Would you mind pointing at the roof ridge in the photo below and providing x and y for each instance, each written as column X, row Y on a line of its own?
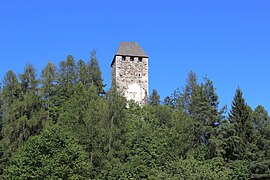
column 130, row 49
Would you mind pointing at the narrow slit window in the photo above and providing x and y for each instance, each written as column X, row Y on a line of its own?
column 139, row 59
column 123, row 58
column 131, row 59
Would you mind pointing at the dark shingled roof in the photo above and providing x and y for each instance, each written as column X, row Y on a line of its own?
column 130, row 49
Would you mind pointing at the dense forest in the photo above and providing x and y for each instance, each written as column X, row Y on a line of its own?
column 61, row 124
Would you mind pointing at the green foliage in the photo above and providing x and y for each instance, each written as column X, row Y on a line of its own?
column 239, row 117
column 11, row 88
column 51, row 155
column 48, row 80
column 62, row 126
column 95, row 73
column 154, row 99
column 28, row 79
column 195, row 169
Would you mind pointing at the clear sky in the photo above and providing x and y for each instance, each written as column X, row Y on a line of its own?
column 229, row 41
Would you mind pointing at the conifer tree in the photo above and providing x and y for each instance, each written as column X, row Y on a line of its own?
column 260, row 118
column 83, row 74
column 190, row 93
column 11, row 87
column 260, row 159
column 239, row 117
column 154, row 99
column 25, row 116
column 28, row 79
column 48, row 80
column 95, row 73
column 48, row 90
column 116, row 117
column 66, row 81
column 67, row 74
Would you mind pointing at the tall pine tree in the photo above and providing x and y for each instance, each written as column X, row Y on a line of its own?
column 239, row 117
column 95, row 73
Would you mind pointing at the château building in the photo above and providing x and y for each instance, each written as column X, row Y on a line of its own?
column 130, row 72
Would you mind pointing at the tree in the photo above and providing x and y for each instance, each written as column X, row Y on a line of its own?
column 49, row 91
column 51, row 155
column 116, row 118
column 48, row 80
column 84, row 115
column 239, row 117
column 11, row 87
column 9, row 94
column 200, row 101
column 28, row 79
column 95, row 73
column 260, row 118
column 83, row 74
column 260, row 161
column 154, row 99
column 65, row 84
column 190, row 93
column 25, row 116
column 67, row 74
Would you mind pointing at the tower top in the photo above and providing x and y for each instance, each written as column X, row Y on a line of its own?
column 130, row 49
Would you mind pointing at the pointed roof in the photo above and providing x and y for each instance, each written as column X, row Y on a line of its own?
column 130, row 49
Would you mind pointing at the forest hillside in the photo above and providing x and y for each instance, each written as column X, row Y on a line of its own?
column 61, row 124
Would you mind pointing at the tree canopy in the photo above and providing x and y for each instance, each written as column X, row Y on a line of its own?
column 64, row 125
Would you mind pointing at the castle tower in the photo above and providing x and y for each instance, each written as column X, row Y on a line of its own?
column 130, row 72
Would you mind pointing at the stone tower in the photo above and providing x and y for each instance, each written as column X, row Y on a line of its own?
column 130, row 72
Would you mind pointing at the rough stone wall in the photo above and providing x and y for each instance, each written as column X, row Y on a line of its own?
column 131, row 77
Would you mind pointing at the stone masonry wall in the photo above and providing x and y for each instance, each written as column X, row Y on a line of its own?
column 131, row 77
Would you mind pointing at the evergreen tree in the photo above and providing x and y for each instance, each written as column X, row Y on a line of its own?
column 190, row 93
column 10, row 94
column 11, row 87
column 260, row 118
column 116, row 118
column 48, row 80
column 177, row 100
column 25, row 116
column 154, row 99
column 67, row 74
column 239, row 117
column 260, row 161
column 48, row 90
column 95, row 73
column 83, row 74
column 66, row 81
column 28, row 79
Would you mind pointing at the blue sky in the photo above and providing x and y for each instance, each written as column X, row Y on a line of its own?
column 228, row 41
